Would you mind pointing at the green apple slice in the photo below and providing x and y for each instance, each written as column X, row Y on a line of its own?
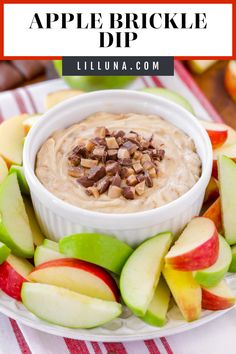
column 211, row 276
column 4, row 252
column 141, row 272
column 48, row 251
column 21, row 178
column 38, row 236
column 15, row 230
column 232, row 267
column 170, row 95
column 67, row 308
column 103, row 250
column 227, row 178
column 158, row 307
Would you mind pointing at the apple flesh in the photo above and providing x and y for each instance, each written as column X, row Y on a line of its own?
column 230, row 79
column 231, row 133
column 11, row 142
column 199, row 66
column 13, row 273
column 3, row 170
column 106, row 251
column 212, row 190
column 158, row 307
column 232, row 267
column 53, row 98
column 214, row 213
column 196, row 248
column 186, row 292
column 4, row 252
column 219, row 297
column 15, row 229
column 229, row 151
column 67, row 308
column 141, row 272
column 38, row 236
column 209, row 277
column 217, row 133
column 19, row 171
column 48, row 251
column 170, row 95
column 227, row 178
column 79, row 276
column 29, row 122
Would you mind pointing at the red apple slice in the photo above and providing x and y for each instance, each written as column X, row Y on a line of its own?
column 219, row 297
column 218, row 133
column 229, row 151
column 212, row 191
column 230, row 79
column 196, row 248
column 13, row 273
column 79, row 276
column 214, row 213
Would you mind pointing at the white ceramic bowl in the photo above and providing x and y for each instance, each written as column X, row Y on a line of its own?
column 58, row 218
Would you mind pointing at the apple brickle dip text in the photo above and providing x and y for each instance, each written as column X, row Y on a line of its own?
column 119, row 163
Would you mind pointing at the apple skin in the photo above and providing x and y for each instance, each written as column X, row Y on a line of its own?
column 3, row 170
column 230, row 79
column 214, row 302
column 21, row 178
column 229, row 151
column 214, row 213
column 202, row 256
column 217, row 138
column 186, row 292
column 212, row 190
column 11, row 280
column 71, row 263
column 232, row 267
column 4, row 252
column 67, row 308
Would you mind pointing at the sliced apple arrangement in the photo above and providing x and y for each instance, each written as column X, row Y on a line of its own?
column 88, row 276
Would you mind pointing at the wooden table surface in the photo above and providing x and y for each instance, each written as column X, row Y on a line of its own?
column 211, row 83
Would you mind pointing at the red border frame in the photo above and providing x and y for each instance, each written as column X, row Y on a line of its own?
column 2, row 2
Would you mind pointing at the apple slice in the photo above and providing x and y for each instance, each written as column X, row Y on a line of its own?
column 13, row 273
column 141, row 272
column 230, row 79
column 67, row 308
column 186, row 292
column 214, row 213
column 15, row 230
column 217, row 133
column 21, row 178
column 106, row 251
column 3, row 170
column 212, row 191
column 229, row 151
column 29, row 122
column 199, row 66
column 211, row 276
column 170, row 95
column 4, row 252
column 231, row 133
column 53, row 98
column 158, row 307
column 79, row 276
column 227, row 178
column 196, row 248
column 232, row 267
column 219, row 297
column 11, row 139
column 38, row 236
column 48, row 251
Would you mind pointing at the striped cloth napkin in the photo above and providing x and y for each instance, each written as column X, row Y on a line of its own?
column 216, row 337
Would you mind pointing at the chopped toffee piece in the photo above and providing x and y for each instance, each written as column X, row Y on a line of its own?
column 128, row 192
column 116, row 163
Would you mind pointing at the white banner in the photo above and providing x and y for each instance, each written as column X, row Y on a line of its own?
column 118, row 29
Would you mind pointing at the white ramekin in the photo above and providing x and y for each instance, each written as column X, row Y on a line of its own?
column 58, row 218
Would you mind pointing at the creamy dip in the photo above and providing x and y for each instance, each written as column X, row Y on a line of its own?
column 179, row 170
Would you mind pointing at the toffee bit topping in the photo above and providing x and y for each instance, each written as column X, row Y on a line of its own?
column 118, row 163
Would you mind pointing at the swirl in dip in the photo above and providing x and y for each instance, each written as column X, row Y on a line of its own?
column 119, row 163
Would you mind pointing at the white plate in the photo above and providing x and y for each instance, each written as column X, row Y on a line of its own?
column 124, row 328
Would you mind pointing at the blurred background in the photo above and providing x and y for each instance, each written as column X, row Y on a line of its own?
column 217, row 80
